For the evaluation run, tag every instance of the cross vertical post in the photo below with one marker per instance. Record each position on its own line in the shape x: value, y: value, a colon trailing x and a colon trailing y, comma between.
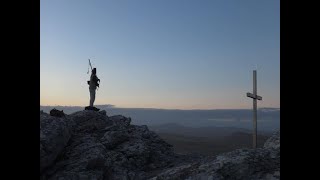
x: 255, y: 97
x: 254, y: 110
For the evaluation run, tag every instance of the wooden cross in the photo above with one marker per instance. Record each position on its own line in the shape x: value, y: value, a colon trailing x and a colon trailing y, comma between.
x: 255, y: 97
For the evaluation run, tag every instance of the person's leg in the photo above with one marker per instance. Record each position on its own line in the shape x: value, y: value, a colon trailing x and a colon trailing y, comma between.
x: 91, y: 97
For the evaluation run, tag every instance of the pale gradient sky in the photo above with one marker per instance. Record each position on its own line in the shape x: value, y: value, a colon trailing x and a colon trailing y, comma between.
x: 172, y: 54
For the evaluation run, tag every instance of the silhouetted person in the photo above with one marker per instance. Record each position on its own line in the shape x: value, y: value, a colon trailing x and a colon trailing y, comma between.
x: 93, y: 84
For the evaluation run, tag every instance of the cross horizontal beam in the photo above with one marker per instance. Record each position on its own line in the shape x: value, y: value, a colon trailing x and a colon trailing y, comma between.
x: 254, y: 96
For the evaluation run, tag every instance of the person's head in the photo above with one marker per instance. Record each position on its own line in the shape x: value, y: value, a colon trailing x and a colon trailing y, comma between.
x: 94, y: 71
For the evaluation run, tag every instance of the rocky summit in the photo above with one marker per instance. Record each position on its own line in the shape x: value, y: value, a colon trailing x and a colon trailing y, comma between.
x: 91, y: 145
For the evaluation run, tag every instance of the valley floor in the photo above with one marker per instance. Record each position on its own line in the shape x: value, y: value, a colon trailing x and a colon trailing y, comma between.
x: 210, y: 145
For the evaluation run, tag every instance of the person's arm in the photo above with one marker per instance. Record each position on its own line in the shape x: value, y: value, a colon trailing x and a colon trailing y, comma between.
x: 97, y: 78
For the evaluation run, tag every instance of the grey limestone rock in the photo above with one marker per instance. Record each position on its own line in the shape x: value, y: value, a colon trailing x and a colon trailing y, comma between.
x: 241, y: 164
x: 91, y: 145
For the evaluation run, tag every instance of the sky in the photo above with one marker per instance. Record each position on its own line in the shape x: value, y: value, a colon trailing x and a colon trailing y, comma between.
x: 170, y: 54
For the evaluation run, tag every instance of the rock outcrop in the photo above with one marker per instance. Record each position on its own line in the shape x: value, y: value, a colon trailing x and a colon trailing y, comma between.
x: 55, y: 134
x: 260, y: 163
x: 91, y: 145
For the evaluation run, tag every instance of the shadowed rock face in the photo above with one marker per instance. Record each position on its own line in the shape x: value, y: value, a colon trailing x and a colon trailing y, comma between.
x: 91, y: 145
x: 261, y: 163
x: 273, y: 141
x: 54, y: 136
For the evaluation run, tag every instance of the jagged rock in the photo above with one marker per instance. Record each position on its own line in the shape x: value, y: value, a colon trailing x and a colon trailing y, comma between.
x: 103, y: 112
x: 57, y: 113
x: 113, y: 138
x: 261, y: 163
x: 120, y: 120
x: 92, y: 145
x: 273, y: 141
x: 54, y: 136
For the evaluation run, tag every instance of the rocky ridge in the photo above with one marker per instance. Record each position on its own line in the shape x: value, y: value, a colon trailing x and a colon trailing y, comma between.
x: 253, y: 164
x: 91, y: 145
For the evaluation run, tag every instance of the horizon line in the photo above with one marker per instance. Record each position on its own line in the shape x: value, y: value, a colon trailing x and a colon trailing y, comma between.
x: 113, y: 106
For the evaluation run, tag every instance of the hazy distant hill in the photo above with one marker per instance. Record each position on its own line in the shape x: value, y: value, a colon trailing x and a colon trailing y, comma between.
x: 268, y: 118
x: 196, y: 131
x: 207, y: 140
x: 211, y: 145
x: 210, y: 131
